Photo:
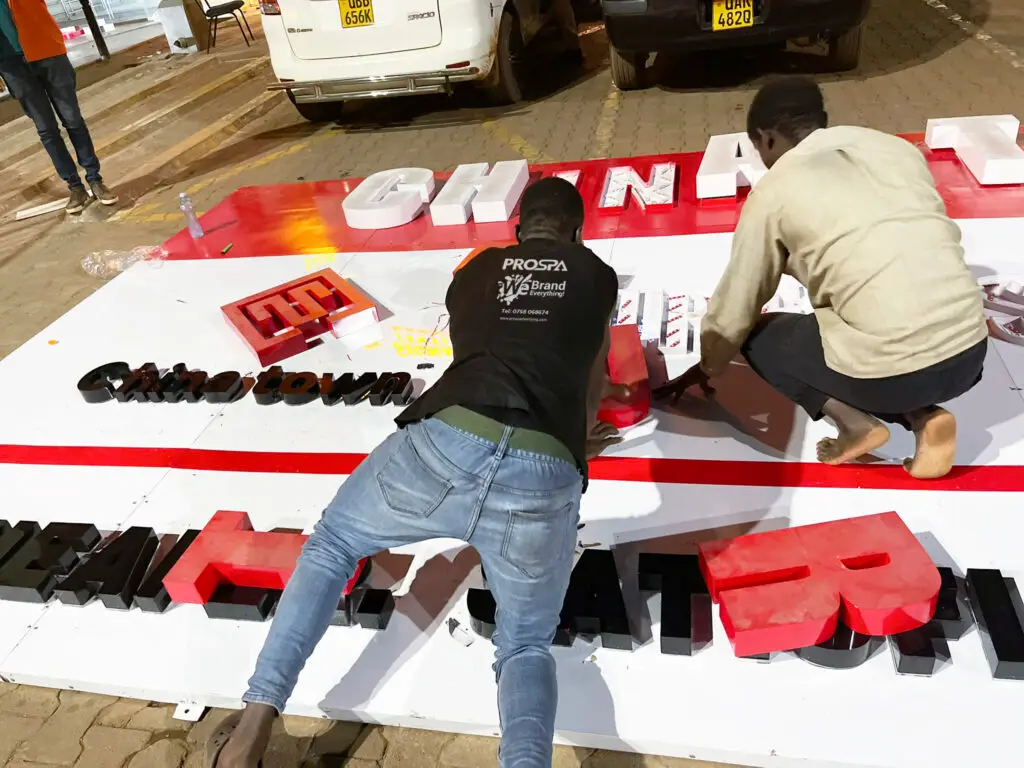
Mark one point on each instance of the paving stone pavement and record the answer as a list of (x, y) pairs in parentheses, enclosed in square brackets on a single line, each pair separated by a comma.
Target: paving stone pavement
[(922, 58), (41, 727)]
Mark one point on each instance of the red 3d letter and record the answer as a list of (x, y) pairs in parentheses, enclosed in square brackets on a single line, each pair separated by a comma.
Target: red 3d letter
[(229, 551), (627, 365), (786, 589)]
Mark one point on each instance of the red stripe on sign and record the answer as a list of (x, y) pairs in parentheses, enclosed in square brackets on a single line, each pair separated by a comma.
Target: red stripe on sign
[(771, 474)]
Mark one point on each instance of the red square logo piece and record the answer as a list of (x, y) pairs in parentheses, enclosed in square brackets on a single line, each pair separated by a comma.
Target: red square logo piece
[(291, 318), (782, 590)]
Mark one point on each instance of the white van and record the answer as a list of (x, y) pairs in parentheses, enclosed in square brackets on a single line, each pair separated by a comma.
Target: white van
[(329, 51)]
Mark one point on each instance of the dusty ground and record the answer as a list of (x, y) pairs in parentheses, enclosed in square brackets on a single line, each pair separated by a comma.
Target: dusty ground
[(923, 58)]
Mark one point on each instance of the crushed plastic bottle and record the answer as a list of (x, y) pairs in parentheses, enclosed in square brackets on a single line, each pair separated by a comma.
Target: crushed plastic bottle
[(195, 229), (107, 264)]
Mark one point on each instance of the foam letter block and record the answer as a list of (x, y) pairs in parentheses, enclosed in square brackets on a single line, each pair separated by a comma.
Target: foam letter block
[(788, 589), (627, 365), (987, 145), (492, 196), (730, 161), (291, 318), (1004, 297), (389, 198), (652, 315), (658, 192)]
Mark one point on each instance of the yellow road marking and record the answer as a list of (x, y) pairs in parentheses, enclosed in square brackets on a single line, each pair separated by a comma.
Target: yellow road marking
[(516, 142), (606, 123)]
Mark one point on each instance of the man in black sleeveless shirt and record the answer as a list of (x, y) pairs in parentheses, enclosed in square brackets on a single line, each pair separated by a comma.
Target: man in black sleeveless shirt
[(494, 454)]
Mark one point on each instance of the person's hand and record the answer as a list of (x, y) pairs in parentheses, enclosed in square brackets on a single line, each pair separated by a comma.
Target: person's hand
[(620, 392), (695, 377), (602, 435)]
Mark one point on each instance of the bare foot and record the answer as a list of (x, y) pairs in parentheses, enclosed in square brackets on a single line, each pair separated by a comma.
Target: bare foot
[(249, 736), (936, 445), (859, 434), (852, 445)]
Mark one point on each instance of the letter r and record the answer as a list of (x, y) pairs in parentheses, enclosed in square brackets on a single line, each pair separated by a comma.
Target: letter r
[(782, 590)]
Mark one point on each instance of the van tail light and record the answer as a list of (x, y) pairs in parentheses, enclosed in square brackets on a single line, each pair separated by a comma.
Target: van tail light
[(270, 8)]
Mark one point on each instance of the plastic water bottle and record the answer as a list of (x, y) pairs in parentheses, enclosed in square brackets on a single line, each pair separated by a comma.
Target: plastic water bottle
[(107, 264), (191, 220)]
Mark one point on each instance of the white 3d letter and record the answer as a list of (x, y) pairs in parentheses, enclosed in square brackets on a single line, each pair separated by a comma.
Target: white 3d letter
[(573, 176), (659, 190), (986, 145), (491, 196), (730, 161), (389, 198)]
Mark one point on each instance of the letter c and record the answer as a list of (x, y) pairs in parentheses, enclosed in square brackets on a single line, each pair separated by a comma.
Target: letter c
[(96, 385)]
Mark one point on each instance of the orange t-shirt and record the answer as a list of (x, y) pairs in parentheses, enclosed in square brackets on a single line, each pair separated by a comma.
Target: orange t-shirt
[(38, 33)]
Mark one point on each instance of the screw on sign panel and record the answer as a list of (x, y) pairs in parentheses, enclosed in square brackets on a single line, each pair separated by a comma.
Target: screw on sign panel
[(291, 318)]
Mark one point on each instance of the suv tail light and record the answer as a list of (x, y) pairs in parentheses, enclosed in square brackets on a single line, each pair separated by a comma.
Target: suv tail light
[(270, 8)]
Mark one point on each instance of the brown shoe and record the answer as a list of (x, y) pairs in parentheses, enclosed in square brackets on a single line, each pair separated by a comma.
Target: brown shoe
[(77, 202), (102, 193)]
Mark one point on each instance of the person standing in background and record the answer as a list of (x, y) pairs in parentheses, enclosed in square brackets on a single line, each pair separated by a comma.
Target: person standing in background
[(35, 66)]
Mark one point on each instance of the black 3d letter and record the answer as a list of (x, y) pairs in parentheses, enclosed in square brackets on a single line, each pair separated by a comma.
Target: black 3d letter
[(846, 649), (300, 388), (348, 388), (225, 387), (114, 572), (152, 596), (96, 386), (995, 600), (391, 387), (138, 383), (482, 611), (593, 603), (30, 574), (242, 603), (375, 609), (685, 602), (13, 538), (268, 386)]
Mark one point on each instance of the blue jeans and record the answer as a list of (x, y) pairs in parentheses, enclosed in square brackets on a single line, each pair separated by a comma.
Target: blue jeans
[(46, 90), (519, 510)]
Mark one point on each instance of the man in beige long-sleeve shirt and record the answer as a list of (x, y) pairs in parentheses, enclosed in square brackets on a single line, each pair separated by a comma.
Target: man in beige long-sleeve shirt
[(898, 326)]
